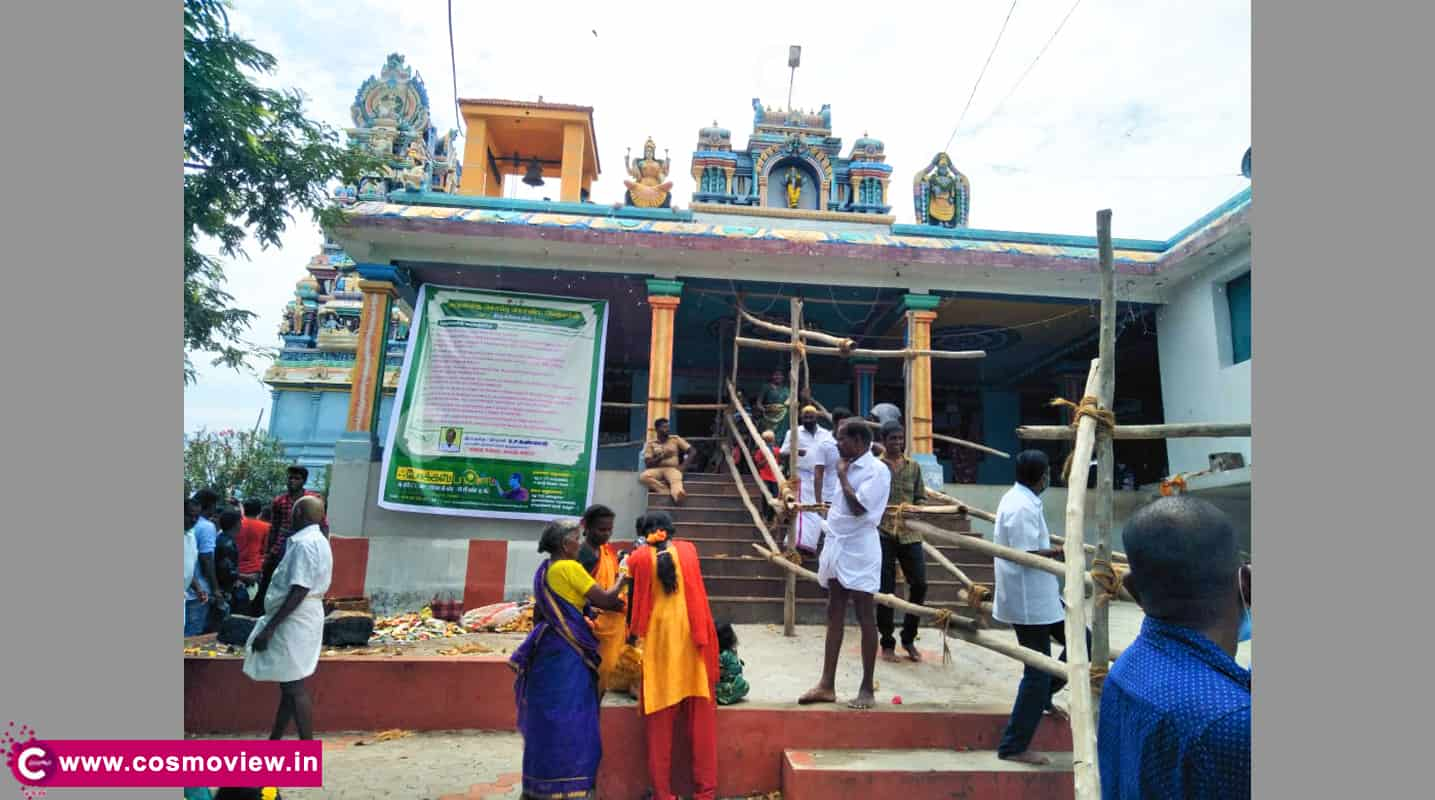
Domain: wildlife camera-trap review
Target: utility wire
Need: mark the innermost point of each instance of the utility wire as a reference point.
(981, 74)
(453, 65)
(1032, 65)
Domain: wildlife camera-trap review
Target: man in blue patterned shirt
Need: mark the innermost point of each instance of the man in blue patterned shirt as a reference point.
(1176, 707)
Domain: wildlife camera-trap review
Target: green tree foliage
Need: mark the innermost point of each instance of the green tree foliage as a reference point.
(234, 464)
(250, 156)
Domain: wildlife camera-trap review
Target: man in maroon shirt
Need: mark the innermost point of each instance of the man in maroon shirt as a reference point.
(281, 525)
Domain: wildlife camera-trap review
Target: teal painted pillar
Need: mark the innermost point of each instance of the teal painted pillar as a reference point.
(1001, 414)
(864, 371)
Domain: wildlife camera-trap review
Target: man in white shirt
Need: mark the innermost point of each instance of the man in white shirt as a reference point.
(811, 473)
(284, 646)
(1029, 600)
(851, 561)
(191, 560)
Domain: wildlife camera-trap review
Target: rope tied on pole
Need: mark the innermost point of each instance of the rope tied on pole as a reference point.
(977, 595)
(1098, 676)
(1108, 581)
(1089, 406)
(942, 619)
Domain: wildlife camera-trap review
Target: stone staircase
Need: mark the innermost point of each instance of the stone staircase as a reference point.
(743, 588)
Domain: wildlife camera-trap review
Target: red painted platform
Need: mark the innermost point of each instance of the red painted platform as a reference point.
(370, 693)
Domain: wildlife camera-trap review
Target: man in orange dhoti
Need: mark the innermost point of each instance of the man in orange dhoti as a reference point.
(601, 558)
(680, 656)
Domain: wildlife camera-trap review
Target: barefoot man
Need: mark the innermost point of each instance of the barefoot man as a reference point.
(900, 545)
(665, 459)
(851, 560)
(1029, 600)
(284, 647)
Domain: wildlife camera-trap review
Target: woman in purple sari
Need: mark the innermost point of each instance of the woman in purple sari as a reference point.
(557, 665)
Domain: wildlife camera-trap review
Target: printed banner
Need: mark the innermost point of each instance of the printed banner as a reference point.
(498, 405)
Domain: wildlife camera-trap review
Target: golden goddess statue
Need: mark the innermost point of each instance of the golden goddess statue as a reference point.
(647, 189)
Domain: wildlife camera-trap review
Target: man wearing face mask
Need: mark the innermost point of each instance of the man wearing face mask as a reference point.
(1176, 707)
(811, 451)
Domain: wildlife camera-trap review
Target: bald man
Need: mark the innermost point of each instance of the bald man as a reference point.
(284, 647)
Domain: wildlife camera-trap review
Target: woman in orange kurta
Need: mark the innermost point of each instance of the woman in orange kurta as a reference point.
(601, 558)
(680, 655)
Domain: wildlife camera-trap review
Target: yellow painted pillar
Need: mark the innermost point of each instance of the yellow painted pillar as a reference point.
(921, 311)
(367, 379)
(663, 298)
(572, 175)
(477, 176)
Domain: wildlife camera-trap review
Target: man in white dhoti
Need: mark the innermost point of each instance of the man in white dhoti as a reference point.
(807, 528)
(284, 646)
(851, 561)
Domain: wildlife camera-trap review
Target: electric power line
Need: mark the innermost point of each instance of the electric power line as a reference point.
(453, 65)
(981, 74)
(1032, 65)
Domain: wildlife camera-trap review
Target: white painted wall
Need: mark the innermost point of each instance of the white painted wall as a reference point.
(1198, 381)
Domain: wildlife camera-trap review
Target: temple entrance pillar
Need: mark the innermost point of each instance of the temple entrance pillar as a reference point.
(921, 311)
(663, 298)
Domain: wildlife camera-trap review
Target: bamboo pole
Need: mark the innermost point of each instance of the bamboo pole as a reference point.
(1179, 430)
(1116, 556)
(1083, 717)
(747, 501)
(736, 333)
(972, 511)
(783, 330)
(971, 445)
(625, 405)
(752, 465)
(752, 429)
(963, 595)
(643, 441)
(1105, 451)
(980, 545)
(957, 627)
(789, 592)
(764, 344)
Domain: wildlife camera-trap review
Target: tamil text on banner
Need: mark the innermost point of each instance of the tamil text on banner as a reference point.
(498, 406)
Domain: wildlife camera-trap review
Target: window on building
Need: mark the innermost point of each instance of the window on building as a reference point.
(1238, 296)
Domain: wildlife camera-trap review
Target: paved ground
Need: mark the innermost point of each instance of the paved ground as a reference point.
(466, 764)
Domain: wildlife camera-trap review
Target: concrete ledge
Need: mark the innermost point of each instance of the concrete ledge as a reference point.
(367, 693)
(920, 775)
(752, 739)
(372, 693)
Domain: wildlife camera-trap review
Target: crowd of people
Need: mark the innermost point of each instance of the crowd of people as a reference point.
(232, 550)
(1175, 708)
(634, 618)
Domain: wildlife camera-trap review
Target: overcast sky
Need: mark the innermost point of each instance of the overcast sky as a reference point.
(1136, 106)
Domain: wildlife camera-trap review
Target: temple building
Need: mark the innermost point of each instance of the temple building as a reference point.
(787, 215)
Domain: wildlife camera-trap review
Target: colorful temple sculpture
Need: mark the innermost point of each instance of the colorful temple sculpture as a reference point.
(391, 121)
(647, 189)
(941, 195)
(310, 380)
(792, 162)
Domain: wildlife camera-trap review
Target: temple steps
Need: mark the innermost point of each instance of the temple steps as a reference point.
(920, 775)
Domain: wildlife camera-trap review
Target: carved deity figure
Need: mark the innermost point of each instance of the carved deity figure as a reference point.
(647, 189)
(413, 175)
(941, 194)
(793, 184)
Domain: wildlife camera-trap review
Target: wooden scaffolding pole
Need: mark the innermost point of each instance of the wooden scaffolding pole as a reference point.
(1106, 453)
(765, 344)
(1177, 430)
(789, 592)
(1083, 718)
